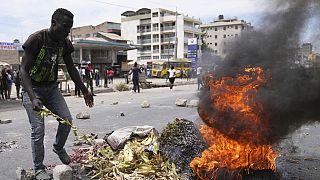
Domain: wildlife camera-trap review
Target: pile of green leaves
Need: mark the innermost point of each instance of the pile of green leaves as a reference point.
(139, 159)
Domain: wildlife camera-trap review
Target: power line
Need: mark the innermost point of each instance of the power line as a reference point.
(112, 4)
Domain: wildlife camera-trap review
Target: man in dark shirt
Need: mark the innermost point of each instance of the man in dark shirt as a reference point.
(43, 50)
(135, 71)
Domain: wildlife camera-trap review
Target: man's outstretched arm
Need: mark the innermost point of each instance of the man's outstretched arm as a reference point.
(74, 74)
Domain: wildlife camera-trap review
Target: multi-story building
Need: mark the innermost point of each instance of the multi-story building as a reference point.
(162, 34)
(219, 33)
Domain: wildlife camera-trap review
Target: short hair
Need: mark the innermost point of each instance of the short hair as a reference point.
(60, 12)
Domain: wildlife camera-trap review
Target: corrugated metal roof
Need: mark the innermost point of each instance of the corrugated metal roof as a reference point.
(112, 36)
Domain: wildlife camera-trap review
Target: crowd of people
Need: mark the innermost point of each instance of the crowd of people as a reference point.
(7, 79)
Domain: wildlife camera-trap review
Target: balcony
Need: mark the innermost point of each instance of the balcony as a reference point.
(155, 51)
(155, 40)
(192, 29)
(155, 29)
(143, 30)
(167, 51)
(145, 52)
(144, 41)
(168, 39)
(167, 28)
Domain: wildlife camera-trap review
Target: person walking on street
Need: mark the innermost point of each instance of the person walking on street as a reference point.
(43, 51)
(76, 88)
(172, 76)
(135, 71)
(97, 77)
(9, 82)
(199, 77)
(106, 77)
(4, 82)
(17, 83)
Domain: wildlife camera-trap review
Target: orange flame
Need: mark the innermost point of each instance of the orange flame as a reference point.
(237, 130)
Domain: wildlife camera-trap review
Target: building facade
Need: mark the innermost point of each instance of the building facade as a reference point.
(219, 33)
(100, 45)
(161, 34)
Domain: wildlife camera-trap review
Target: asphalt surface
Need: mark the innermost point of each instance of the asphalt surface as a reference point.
(299, 153)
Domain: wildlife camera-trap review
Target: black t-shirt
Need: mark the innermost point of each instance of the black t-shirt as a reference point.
(47, 55)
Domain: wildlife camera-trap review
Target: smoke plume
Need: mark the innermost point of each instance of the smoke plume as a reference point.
(291, 97)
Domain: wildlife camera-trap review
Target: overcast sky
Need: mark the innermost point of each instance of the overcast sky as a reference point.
(20, 18)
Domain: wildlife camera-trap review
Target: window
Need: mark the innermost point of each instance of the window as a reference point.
(155, 14)
(224, 36)
(215, 44)
(216, 36)
(224, 28)
(236, 27)
(216, 29)
(236, 35)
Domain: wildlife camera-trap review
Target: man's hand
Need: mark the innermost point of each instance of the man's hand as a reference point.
(37, 104)
(88, 98)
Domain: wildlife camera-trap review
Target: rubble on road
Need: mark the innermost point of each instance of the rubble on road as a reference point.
(145, 104)
(7, 145)
(139, 158)
(181, 102)
(83, 115)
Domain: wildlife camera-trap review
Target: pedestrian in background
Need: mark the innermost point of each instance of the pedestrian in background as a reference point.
(110, 75)
(43, 51)
(135, 71)
(1, 88)
(9, 82)
(97, 77)
(17, 81)
(106, 77)
(4, 83)
(76, 87)
(172, 76)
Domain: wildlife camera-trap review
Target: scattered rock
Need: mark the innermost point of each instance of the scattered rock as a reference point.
(193, 103)
(145, 104)
(181, 102)
(98, 141)
(7, 145)
(6, 121)
(62, 172)
(121, 114)
(114, 103)
(83, 115)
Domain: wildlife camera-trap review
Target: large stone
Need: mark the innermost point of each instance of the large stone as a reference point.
(6, 121)
(83, 115)
(62, 172)
(181, 102)
(193, 103)
(145, 104)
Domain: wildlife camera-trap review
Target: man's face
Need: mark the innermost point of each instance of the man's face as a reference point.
(61, 27)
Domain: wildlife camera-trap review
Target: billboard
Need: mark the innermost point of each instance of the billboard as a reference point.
(193, 51)
(7, 46)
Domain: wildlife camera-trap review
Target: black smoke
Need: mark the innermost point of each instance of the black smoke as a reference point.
(291, 97)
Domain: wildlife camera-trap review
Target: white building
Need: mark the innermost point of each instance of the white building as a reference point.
(161, 33)
(219, 33)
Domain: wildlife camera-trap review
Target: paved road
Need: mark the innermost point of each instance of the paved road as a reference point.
(299, 153)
